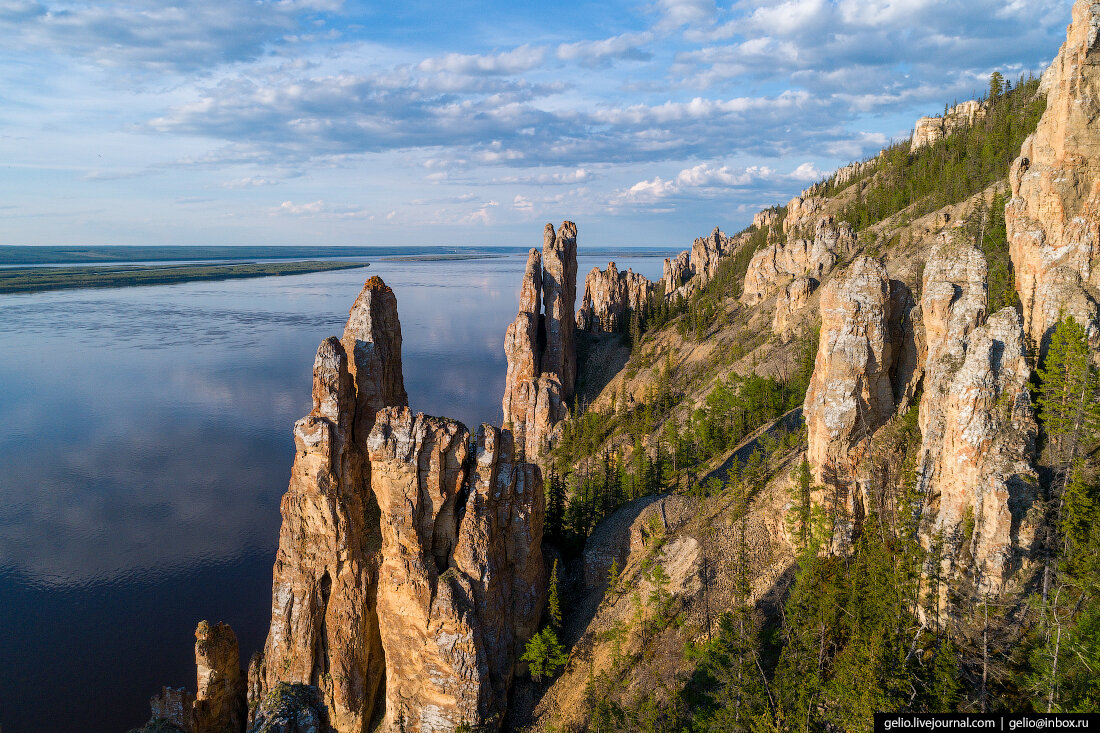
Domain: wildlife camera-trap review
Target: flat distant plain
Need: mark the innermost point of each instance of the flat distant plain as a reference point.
(35, 269)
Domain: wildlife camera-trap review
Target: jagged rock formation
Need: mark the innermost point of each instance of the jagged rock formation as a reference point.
(291, 709)
(793, 299)
(609, 295)
(801, 211)
(1053, 217)
(539, 347)
(851, 171)
(765, 218)
(677, 272)
(864, 369)
(219, 706)
(372, 341)
(460, 587)
(929, 130)
(977, 470)
(220, 697)
(780, 262)
(323, 625)
(173, 706)
(705, 253)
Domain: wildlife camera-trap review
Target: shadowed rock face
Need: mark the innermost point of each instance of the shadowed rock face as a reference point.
(542, 361)
(291, 709)
(864, 370)
(220, 700)
(609, 295)
(1053, 218)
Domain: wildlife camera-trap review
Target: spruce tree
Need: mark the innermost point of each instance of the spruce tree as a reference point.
(553, 603)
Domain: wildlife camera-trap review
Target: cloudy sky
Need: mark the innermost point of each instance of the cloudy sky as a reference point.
(458, 122)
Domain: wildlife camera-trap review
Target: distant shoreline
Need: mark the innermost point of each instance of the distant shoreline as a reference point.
(19, 280)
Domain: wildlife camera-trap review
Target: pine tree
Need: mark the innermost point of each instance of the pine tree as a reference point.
(553, 603)
(544, 654)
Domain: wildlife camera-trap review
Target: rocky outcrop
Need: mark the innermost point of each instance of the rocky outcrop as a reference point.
(793, 299)
(609, 296)
(976, 469)
(929, 130)
(461, 585)
(172, 707)
(559, 297)
(865, 365)
(677, 273)
(705, 253)
(220, 698)
(778, 263)
(219, 706)
(801, 211)
(765, 218)
(540, 347)
(852, 171)
(1053, 218)
(291, 709)
(372, 341)
(323, 626)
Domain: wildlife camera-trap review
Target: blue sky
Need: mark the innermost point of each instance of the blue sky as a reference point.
(329, 122)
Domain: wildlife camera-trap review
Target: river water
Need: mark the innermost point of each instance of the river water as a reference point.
(146, 443)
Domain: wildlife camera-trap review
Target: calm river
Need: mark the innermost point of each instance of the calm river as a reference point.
(146, 443)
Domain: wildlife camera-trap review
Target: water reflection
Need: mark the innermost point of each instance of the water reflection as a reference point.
(148, 442)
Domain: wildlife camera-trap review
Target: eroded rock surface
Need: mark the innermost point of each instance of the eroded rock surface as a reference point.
(677, 273)
(1053, 218)
(609, 296)
(323, 626)
(220, 697)
(977, 468)
(780, 262)
(540, 347)
(801, 212)
(705, 253)
(461, 585)
(864, 370)
(929, 130)
(793, 299)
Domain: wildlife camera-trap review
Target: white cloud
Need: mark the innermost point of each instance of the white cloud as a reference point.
(520, 59)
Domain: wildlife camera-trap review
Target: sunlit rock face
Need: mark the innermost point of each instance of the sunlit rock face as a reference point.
(324, 630)
(929, 130)
(409, 574)
(777, 264)
(609, 297)
(1053, 217)
(462, 581)
(792, 300)
(864, 370)
(539, 346)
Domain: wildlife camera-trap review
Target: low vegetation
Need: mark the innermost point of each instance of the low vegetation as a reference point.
(35, 279)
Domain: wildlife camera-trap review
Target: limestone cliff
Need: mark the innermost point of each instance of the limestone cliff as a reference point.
(1053, 217)
(929, 130)
(705, 253)
(323, 626)
(540, 347)
(461, 582)
(677, 271)
(793, 299)
(978, 476)
(609, 296)
(863, 371)
(780, 262)
(801, 212)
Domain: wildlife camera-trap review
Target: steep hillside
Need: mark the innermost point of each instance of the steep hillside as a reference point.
(923, 537)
